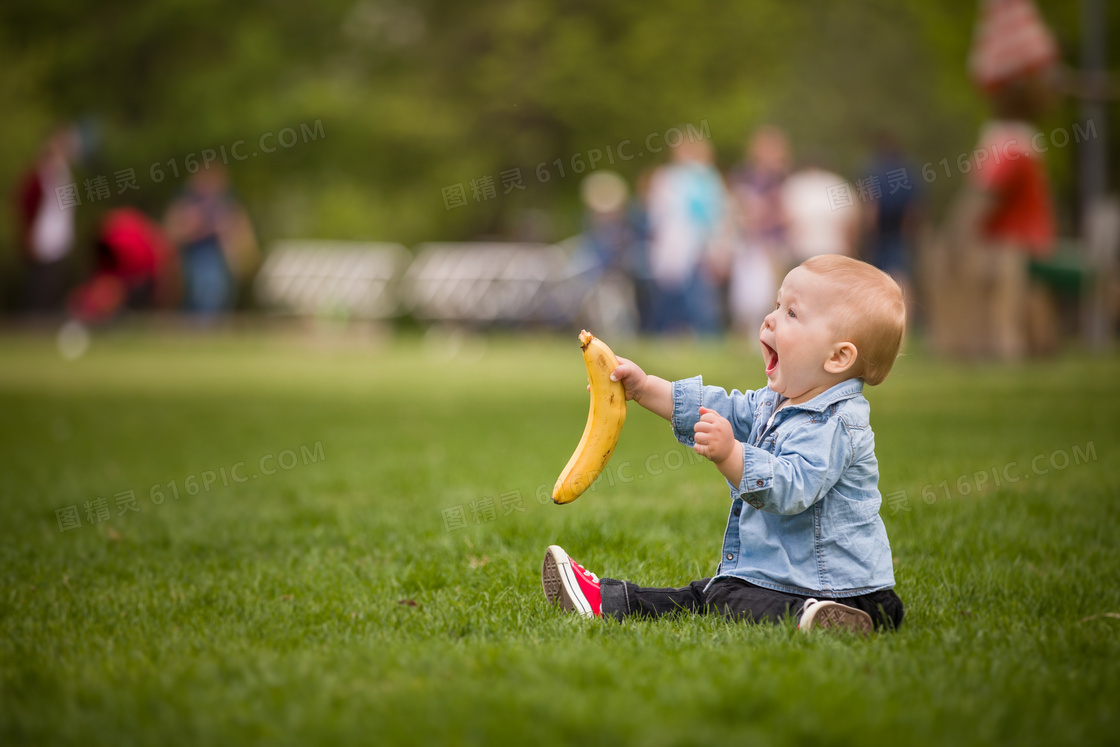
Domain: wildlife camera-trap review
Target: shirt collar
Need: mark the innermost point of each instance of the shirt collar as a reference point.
(844, 390)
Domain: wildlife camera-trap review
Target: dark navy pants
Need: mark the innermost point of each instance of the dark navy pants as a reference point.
(736, 599)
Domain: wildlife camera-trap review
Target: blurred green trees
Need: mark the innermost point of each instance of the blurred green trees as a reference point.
(406, 99)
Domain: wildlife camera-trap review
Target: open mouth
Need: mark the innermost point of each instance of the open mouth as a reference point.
(771, 356)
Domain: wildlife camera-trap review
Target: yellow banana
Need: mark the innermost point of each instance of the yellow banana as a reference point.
(604, 422)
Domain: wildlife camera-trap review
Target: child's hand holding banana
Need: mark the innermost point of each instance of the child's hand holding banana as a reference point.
(612, 381)
(604, 422)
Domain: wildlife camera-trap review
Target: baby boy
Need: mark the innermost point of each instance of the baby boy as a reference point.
(804, 537)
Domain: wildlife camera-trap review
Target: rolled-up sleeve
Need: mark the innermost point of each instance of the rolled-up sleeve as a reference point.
(808, 463)
(689, 395)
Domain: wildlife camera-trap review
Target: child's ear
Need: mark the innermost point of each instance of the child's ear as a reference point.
(843, 357)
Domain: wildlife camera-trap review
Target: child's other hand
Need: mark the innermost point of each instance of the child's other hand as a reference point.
(714, 437)
(632, 377)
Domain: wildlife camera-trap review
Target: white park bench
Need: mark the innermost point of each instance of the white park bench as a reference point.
(477, 284)
(483, 283)
(348, 279)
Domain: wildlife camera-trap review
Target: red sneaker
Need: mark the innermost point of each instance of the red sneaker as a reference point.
(567, 584)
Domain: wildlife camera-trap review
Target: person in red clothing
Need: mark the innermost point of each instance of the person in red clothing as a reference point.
(45, 221)
(1014, 220)
(1020, 210)
(975, 273)
(981, 296)
(133, 254)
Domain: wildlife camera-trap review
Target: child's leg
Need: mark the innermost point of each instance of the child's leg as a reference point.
(741, 600)
(730, 597)
(622, 599)
(745, 601)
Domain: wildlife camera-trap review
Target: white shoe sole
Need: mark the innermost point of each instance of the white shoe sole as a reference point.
(836, 616)
(560, 585)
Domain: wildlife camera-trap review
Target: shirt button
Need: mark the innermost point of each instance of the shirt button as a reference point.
(759, 483)
(738, 510)
(730, 556)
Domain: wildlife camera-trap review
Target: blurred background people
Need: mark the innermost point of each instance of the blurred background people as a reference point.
(133, 268)
(46, 200)
(1014, 222)
(822, 214)
(611, 257)
(644, 285)
(688, 205)
(892, 215)
(217, 246)
(985, 302)
(756, 187)
(610, 238)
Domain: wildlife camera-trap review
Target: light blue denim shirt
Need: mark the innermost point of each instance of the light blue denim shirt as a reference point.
(805, 517)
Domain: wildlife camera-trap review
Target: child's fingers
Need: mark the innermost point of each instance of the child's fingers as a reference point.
(710, 416)
(703, 450)
(710, 420)
(622, 370)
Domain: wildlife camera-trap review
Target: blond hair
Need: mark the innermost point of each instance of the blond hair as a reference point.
(871, 313)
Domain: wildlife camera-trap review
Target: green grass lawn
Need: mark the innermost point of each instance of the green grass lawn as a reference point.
(330, 545)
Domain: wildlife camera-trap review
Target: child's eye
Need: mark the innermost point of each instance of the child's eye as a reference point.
(792, 315)
(776, 305)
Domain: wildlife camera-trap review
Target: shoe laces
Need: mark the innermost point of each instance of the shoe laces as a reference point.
(586, 573)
